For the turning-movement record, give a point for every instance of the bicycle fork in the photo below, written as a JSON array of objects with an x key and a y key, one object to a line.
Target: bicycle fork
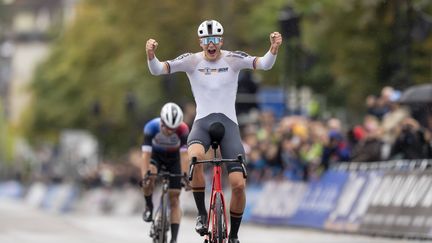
[
  {"x": 216, "y": 190},
  {"x": 160, "y": 225}
]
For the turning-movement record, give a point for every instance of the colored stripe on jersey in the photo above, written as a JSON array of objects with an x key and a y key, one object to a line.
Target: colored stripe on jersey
[
  {"x": 157, "y": 142},
  {"x": 214, "y": 84}
]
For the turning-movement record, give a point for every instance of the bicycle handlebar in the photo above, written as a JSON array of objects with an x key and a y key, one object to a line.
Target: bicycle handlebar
[
  {"x": 161, "y": 174},
  {"x": 217, "y": 161}
]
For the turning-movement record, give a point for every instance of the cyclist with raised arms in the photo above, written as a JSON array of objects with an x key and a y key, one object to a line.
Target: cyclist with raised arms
[
  {"x": 164, "y": 144},
  {"x": 213, "y": 75}
]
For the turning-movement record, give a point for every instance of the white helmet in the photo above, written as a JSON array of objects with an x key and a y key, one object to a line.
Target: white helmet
[
  {"x": 171, "y": 115},
  {"x": 209, "y": 28}
]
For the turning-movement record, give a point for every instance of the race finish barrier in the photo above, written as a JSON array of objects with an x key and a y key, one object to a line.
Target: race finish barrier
[
  {"x": 392, "y": 198},
  {"x": 402, "y": 205}
]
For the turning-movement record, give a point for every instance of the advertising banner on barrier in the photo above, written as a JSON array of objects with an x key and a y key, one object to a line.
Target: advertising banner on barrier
[
  {"x": 401, "y": 205},
  {"x": 11, "y": 189},
  {"x": 320, "y": 200},
  {"x": 353, "y": 201},
  {"x": 277, "y": 202},
  {"x": 253, "y": 195},
  {"x": 60, "y": 198}
]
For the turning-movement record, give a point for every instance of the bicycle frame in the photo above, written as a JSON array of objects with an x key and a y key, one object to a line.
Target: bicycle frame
[
  {"x": 160, "y": 224},
  {"x": 159, "y": 227},
  {"x": 216, "y": 191}
]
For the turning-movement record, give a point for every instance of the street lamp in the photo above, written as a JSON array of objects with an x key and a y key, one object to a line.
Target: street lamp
[
  {"x": 289, "y": 21},
  {"x": 289, "y": 25},
  {"x": 6, "y": 53}
]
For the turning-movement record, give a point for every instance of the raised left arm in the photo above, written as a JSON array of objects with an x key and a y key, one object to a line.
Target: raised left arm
[
  {"x": 267, "y": 61},
  {"x": 275, "y": 42}
]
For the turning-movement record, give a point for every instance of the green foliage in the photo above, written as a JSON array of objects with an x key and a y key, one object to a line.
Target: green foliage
[
  {"x": 6, "y": 138},
  {"x": 100, "y": 59},
  {"x": 263, "y": 20},
  {"x": 347, "y": 50},
  {"x": 2, "y": 131},
  {"x": 361, "y": 46}
]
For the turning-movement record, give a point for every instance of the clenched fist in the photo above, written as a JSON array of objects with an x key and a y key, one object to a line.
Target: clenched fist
[
  {"x": 275, "y": 42},
  {"x": 151, "y": 46}
]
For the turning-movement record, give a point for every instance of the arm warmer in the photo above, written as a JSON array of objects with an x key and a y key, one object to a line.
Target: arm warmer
[
  {"x": 266, "y": 62},
  {"x": 155, "y": 66}
]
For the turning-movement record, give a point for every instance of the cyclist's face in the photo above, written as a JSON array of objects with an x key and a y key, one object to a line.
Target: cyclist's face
[
  {"x": 211, "y": 46},
  {"x": 166, "y": 130}
]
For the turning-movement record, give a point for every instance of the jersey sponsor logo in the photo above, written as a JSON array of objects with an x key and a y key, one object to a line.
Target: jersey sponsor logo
[{"x": 209, "y": 71}]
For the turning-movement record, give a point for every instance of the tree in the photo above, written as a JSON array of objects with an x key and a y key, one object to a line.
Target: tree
[
  {"x": 357, "y": 47},
  {"x": 98, "y": 63},
  {"x": 100, "y": 60}
]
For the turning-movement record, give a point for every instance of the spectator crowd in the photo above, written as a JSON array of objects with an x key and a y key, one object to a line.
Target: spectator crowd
[{"x": 301, "y": 148}]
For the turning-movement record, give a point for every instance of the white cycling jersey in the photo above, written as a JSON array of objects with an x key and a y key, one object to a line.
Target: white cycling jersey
[{"x": 213, "y": 83}]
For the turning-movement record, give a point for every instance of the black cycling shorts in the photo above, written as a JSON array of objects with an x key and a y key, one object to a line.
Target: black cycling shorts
[
  {"x": 231, "y": 145},
  {"x": 170, "y": 164}
]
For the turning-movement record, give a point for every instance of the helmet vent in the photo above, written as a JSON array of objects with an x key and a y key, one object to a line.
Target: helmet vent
[
  {"x": 209, "y": 29},
  {"x": 174, "y": 115},
  {"x": 171, "y": 115}
]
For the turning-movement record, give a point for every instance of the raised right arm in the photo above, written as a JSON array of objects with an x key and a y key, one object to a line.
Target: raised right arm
[{"x": 155, "y": 66}]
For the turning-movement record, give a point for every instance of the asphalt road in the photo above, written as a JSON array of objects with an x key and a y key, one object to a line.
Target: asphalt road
[{"x": 20, "y": 223}]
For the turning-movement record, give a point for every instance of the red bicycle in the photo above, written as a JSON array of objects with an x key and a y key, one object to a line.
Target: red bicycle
[{"x": 217, "y": 220}]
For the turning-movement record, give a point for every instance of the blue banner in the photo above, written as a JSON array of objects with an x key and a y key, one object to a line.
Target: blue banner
[
  {"x": 277, "y": 202},
  {"x": 353, "y": 201},
  {"x": 272, "y": 99},
  {"x": 60, "y": 198},
  {"x": 253, "y": 194},
  {"x": 298, "y": 203},
  {"x": 11, "y": 189},
  {"x": 320, "y": 200}
]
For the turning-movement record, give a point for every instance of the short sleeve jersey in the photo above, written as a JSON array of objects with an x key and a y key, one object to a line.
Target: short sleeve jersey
[
  {"x": 214, "y": 83},
  {"x": 157, "y": 142}
]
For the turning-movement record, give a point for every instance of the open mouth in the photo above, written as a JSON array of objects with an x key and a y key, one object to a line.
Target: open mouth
[{"x": 211, "y": 52}]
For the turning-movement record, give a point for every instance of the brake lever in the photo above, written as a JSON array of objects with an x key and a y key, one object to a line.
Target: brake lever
[
  {"x": 191, "y": 168},
  {"x": 240, "y": 159},
  {"x": 145, "y": 179}
]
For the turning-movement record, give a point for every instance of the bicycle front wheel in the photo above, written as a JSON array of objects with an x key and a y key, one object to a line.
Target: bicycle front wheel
[
  {"x": 164, "y": 219},
  {"x": 161, "y": 222},
  {"x": 220, "y": 228}
]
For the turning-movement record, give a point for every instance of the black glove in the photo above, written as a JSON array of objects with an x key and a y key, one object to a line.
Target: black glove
[
  {"x": 185, "y": 182},
  {"x": 144, "y": 180}
]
